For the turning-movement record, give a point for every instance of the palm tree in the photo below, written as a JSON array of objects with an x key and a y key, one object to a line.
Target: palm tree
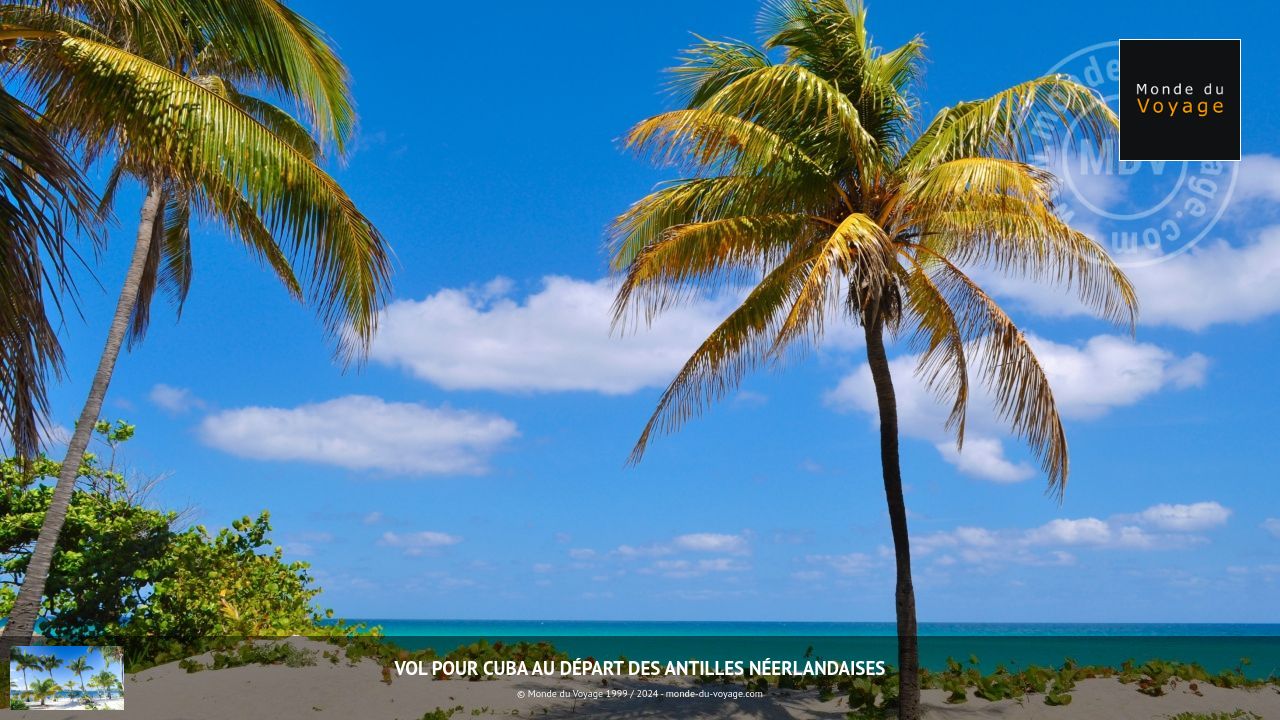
[
  {"x": 43, "y": 191},
  {"x": 175, "y": 119},
  {"x": 49, "y": 663},
  {"x": 110, "y": 654},
  {"x": 80, "y": 666},
  {"x": 105, "y": 680},
  {"x": 24, "y": 662},
  {"x": 811, "y": 181},
  {"x": 44, "y": 689}
]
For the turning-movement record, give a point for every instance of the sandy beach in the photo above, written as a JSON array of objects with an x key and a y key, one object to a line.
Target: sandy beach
[
  {"x": 66, "y": 704},
  {"x": 326, "y": 690}
]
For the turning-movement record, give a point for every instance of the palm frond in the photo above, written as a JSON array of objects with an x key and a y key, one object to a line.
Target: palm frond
[
  {"x": 733, "y": 349},
  {"x": 701, "y": 140},
  {"x": 943, "y": 366},
  {"x": 1000, "y": 214},
  {"x": 707, "y": 257},
  {"x": 699, "y": 200},
  {"x": 1020, "y": 123},
  {"x": 711, "y": 65},
  {"x": 1009, "y": 369},
  {"x": 43, "y": 201},
  {"x": 284, "y": 125},
  {"x": 857, "y": 252},
  {"x": 263, "y": 43},
  {"x": 806, "y": 108},
  {"x": 171, "y": 126}
]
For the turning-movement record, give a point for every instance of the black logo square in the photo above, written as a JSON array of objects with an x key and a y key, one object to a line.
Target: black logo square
[{"x": 1179, "y": 99}]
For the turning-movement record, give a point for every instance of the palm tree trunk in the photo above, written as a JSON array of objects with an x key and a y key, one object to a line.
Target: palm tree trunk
[
  {"x": 904, "y": 595},
  {"x": 21, "y": 625}
]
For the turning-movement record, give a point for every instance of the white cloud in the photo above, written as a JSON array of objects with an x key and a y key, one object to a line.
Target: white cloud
[
  {"x": 1210, "y": 284},
  {"x": 984, "y": 457},
  {"x": 691, "y": 542},
  {"x": 1258, "y": 179},
  {"x": 1088, "y": 380},
  {"x": 556, "y": 339},
  {"x": 1272, "y": 525},
  {"x": 1197, "y": 516},
  {"x": 1085, "y": 531},
  {"x": 174, "y": 400},
  {"x": 631, "y": 551},
  {"x": 372, "y": 518},
  {"x": 712, "y": 542},
  {"x": 848, "y": 564},
  {"x": 695, "y": 568},
  {"x": 1159, "y": 527},
  {"x": 363, "y": 433},
  {"x": 416, "y": 543}
]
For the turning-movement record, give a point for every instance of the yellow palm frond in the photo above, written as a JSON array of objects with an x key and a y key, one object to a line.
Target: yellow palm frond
[
  {"x": 707, "y": 256},
  {"x": 943, "y": 366},
  {"x": 699, "y": 200},
  {"x": 733, "y": 349},
  {"x": 700, "y": 139},
  {"x": 1009, "y": 369},
  {"x": 796, "y": 103},
  {"x": 171, "y": 126},
  {"x": 1018, "y": 123},
  {"x": 857, "y": 252}
]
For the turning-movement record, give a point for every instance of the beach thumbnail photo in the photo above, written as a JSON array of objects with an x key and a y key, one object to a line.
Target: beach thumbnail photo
[{"x": 66, "y": 677}]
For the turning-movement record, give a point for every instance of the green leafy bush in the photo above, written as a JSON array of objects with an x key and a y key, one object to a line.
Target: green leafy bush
[{"x": 125, "y": 574}]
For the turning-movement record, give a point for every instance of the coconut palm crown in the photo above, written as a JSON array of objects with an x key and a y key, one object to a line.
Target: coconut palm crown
[{"x": 811, "y": 180}]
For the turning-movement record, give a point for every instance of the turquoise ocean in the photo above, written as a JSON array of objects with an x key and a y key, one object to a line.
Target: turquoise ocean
[{"x": 1253, "y": 648}]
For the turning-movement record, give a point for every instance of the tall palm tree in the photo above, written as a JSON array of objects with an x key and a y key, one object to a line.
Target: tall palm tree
[
  {"x": 80, "y": 666},
  {"x": 49, "y": 663},
  {"x": 161, "y": 97},
  {"x": 24, "y": 662},
  {"x": 811, "y": 180}
]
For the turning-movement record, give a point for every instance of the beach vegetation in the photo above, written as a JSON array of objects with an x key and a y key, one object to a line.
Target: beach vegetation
[
  {"x": 810, "y": 185},
  {"x": 133, "y": 576},
  {"x": 1226, "y": 715},
  {"x": 106, "y": 680},
  {"x": 44, "y": 689}
]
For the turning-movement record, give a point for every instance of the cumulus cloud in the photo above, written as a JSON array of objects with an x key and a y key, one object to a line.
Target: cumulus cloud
[
  {"x": 1258, "y": 179},
  {"x": 174, "y": 400},
  {"x": 1272, "y": 525},
  {"x": 695, "y": 568},
  {"x": 1237, "y": 284},
  {"x": 1088, "y": 380},
  {"x": 847, "y": 564},
  {"x": 417, "y": 543},
  {"x": 1159, "y": 527},
  {"x": 557, "y": 339},
  {"x": 720, "y": 543},
  {"x": 712, "y": 542},
  {"x": 1193, "y": 517},
  {"x": 363, "y": 433}
]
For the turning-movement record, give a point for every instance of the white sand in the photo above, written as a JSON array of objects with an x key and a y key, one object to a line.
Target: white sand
[
  {"x": 328, "y": 691},
  {"x": 116, "y": 703}
]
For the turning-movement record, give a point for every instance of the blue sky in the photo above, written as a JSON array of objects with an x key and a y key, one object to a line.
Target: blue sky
[
  {"x": 61, "y": 675},
  {"x": 475, "y": 467}
]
